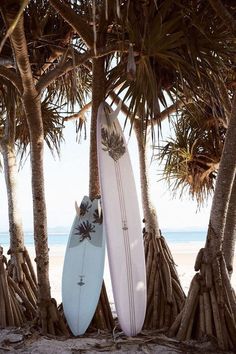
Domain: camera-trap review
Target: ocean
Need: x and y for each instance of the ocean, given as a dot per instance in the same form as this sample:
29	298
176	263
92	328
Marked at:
60	239
184	246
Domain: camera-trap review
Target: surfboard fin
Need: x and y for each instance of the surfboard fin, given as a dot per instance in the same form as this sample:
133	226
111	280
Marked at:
77	208
99	209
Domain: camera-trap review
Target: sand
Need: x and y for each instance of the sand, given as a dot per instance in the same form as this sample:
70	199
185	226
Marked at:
28	341
184	255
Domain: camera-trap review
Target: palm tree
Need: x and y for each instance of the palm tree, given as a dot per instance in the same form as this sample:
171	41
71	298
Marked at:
161	70
56	92
210	307
191	161
20	267
17	277
50	319
165	295
191	157
162	58
102	318
171	63
230	232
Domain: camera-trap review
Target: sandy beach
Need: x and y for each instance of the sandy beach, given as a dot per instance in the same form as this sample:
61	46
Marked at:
184	255
28	341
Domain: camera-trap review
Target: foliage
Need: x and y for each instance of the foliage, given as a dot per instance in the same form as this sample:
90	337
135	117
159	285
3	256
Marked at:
53	128
177	48
192	156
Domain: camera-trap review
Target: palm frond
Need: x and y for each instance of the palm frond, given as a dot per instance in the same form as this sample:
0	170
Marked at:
192	156
53	129
180	50
71	89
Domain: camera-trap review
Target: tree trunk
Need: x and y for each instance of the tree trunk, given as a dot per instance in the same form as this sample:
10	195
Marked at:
103	317
210	308
164	293
19	267
230	231
10	172
50	319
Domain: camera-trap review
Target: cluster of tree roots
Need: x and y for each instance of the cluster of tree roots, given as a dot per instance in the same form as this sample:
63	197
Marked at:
19	296
210	308
17	299
165	297
103	318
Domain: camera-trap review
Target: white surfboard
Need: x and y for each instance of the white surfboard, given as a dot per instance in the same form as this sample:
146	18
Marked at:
83	266
122	223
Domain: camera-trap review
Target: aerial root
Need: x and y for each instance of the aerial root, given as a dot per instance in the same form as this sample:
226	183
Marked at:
12	310
210	305
103	318
165	297
50	320
21	271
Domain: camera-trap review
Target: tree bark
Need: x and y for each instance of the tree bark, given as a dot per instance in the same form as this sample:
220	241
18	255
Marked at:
223	188
164	293
103	317
75	21
49	316
214	305
230	231
19	267
98	95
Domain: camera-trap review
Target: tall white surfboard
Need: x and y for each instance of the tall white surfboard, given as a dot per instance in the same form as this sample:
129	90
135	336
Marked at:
122	223
83	266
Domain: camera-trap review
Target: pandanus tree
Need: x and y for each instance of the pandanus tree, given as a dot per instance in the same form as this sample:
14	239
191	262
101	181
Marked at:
162	277
210	307
18	284
162	60
103	318
31	102
15	140
165	295
21	277
162	47
191	156
45	69
192	161
166	64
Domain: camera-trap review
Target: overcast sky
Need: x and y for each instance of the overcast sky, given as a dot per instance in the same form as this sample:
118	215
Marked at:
66	180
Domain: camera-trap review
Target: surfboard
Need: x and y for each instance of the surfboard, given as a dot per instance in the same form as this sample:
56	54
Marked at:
122	223
83	266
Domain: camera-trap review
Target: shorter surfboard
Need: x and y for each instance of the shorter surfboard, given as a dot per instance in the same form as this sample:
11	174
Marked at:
83	266
122	223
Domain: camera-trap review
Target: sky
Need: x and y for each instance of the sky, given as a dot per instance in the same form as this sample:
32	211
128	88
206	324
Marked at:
66	181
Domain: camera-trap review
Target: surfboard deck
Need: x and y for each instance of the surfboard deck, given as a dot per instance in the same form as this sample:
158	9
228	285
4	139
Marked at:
83	266
122	223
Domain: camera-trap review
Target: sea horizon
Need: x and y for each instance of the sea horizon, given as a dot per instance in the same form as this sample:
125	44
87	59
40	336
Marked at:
184	246
61	238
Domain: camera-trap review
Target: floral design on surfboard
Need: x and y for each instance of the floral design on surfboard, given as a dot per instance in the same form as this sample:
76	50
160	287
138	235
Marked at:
85	228
97	217
84	208
87	224
113	143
